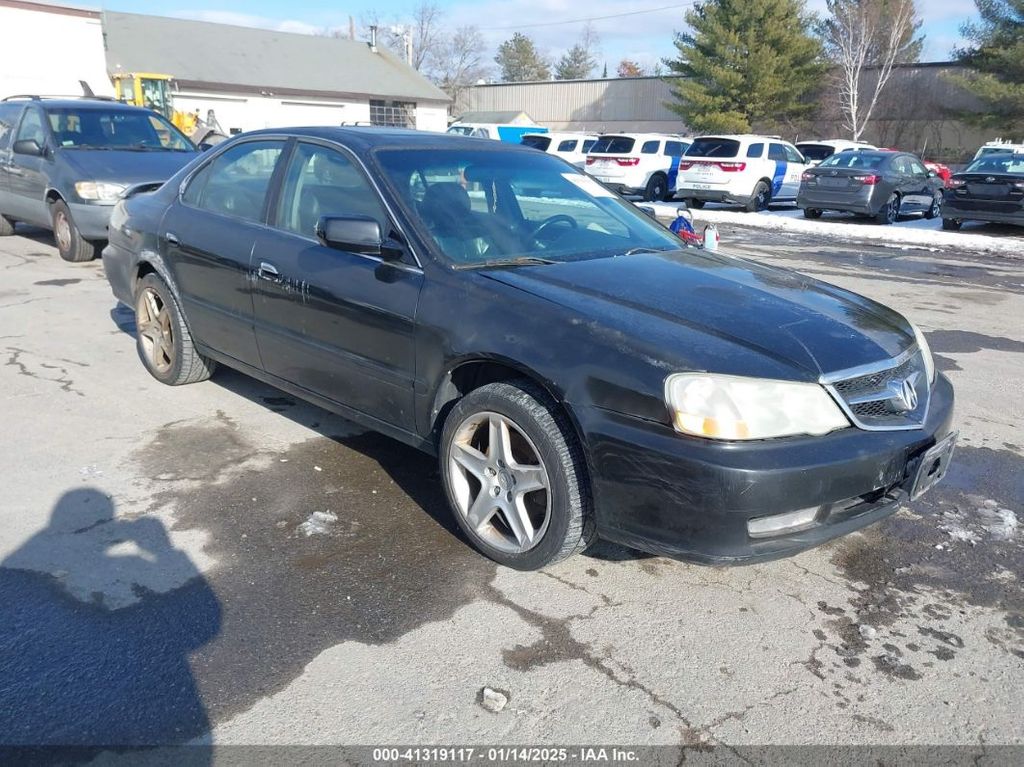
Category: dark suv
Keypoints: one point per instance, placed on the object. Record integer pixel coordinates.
(65, 162)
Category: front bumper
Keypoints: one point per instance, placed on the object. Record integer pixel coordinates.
(689, 498)
(91, 219)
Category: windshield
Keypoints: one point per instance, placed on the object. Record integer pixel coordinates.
(537, 142)
(1003, 162)
(461, 130)
(858, 160)
(612, 145)
(91, 128)
(481, 207)
(816, 151)
(713, 147)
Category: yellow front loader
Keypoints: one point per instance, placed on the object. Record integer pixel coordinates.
(153, 91)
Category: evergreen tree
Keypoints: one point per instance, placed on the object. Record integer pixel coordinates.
(520, 61)
(745, 62)
(576, 64)
(996, 58)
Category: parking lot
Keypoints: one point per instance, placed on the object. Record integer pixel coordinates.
(162, 540)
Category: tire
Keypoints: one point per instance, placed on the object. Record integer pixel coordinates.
(760, 199)
(70, 243)
(936, 207)
(889, 212)
(812, 213)
(544, 450)
(657, 188)
(6, 226)
(163, 339)
(693, 202)
(952, 224)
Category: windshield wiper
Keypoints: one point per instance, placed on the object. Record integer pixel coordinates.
(635, 251)
(520, 261)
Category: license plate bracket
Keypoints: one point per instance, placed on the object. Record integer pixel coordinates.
(934, 465)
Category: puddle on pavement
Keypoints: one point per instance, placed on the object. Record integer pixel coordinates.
(391, 561)
(951, 550)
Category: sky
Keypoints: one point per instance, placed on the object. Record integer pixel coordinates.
(643, 37)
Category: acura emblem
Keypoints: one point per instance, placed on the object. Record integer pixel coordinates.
(903, 394)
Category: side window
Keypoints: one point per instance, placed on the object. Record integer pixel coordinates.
(324, 182)
(754, 151)
(32, 127)
(236, 182)
(650, 147)
(901, 166)
(793, 155)
(918, 169)
(567, 146)
(673, 148)
(777, 152)
(8, 119)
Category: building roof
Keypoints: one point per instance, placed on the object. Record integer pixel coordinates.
(225, 57)
(511, 117)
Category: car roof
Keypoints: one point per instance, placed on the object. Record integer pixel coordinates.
(365, 138)
(78, 103)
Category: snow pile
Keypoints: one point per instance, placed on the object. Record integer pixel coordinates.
(920, 232)
(989, 521)
(319, 523)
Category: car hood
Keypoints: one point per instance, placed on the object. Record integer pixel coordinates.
(808, 326)
(124, 167)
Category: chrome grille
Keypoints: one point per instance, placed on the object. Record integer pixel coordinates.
(880, 399)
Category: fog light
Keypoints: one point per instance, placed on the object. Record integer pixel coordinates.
(762, 527)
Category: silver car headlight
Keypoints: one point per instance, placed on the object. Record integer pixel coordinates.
(926, 353)
(102, 191)
(735, 408)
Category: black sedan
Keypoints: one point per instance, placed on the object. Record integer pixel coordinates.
(879, 183)
(578, 371)
(990, 189)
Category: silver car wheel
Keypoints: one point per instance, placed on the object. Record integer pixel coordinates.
(499, 482)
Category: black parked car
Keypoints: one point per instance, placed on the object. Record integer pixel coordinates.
(578, 371)
(65, 162)
(990, 189)
(878, 183)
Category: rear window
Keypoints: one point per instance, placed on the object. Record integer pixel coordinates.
(536, 142)
(1002, 162)
(613, 145)
(865, 160)
(816, 151)
(713, 147)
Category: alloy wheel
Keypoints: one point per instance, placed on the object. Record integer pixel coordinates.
(499, 482)
(155, 330)
(62, 231)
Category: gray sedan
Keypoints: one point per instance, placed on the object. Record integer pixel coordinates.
(881, 184)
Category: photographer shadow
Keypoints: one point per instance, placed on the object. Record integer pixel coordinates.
(98, 617)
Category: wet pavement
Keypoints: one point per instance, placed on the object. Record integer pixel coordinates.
(161, 581)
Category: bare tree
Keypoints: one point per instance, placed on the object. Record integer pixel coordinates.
(866, 39)
(416, 37)
(460, 61)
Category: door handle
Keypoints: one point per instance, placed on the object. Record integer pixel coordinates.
(268, 271)
(172, 239)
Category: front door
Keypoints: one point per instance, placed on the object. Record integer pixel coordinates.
(338, 324)
(27, 173)
(208, 235)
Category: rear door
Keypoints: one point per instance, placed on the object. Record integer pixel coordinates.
(338, 324)
(674, 151)
(789, 166)
(208, 236)
(924, 186)
(28, 174)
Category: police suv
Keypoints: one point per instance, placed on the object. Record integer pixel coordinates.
(637, 163)
(753, 171)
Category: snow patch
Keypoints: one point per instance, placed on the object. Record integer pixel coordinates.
(319, 523)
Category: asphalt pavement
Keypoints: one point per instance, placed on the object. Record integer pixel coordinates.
(220, 563)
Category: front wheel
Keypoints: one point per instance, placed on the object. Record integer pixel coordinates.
(163, 339)
(952, 224)
(514, 475)
(933, 210)
(760, 199)
(657, 188)
(70, 243)
(890, 211)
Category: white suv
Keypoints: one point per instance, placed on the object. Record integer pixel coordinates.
(571, 147)
(637, 163)
(816, 151)
(753, 171)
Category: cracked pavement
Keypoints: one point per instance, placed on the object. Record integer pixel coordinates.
(158, 585)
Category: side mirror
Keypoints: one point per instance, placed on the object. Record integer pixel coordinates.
(932, 174)
(354, 234)
(28, 146)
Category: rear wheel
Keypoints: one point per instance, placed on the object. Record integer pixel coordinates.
(163, 340)
(515, 477)
(6, 226)
(812, 213)
(657, 188)
(890, 211)
(760, 199)
(952, 224)
(693, 202)
(933, 210)
(70, 243)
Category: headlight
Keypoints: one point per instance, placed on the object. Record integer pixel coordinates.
(731, 407)
(926, 352)
(99, 190)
